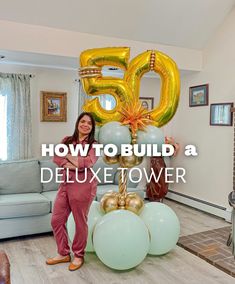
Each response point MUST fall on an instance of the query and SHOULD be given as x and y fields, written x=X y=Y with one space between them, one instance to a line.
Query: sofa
x=26 y=204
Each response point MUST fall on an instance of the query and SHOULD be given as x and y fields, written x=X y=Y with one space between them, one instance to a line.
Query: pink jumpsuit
x=75 y=197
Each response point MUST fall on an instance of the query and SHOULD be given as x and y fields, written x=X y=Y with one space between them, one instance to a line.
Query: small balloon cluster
x=116 y=133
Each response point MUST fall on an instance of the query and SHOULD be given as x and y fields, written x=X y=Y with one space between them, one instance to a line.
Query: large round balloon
x=163 y=225
x=94 y=215
x=114 y=133
x=121 y=240
x=151 y=135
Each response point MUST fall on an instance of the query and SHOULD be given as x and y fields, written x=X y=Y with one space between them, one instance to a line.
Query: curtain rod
x=7 y=74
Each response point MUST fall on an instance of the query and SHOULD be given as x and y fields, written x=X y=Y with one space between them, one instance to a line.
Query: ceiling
x=60 y=62
x=183 y=23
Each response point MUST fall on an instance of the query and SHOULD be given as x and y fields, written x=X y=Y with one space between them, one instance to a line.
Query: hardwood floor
x=27 y=256
x=194 y=221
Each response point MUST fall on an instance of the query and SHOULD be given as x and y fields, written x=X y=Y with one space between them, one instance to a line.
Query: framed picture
x=221 y=114
x=53 y=106
x=198 y=95
x=147 y=102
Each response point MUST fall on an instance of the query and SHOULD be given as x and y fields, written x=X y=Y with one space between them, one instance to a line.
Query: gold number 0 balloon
x=170 y=89
x=127 y=90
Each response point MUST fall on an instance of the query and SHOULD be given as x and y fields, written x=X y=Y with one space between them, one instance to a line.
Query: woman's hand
x=69 y=165
x=72 y=160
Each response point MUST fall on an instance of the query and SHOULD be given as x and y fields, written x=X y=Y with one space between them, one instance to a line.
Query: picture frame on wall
x=198 y=95
x=147 y=102
x=221 y=114
x=53 y=106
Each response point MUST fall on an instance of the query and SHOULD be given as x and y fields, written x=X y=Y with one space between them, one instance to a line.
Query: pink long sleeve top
x=82 y=162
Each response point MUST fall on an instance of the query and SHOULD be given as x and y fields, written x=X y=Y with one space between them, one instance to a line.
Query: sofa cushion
x=46 y=175
x=102 y=189
x=50 y=195
x=21 y=176
x=23 y=205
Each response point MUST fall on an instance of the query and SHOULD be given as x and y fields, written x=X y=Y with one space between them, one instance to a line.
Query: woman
x=75 y=197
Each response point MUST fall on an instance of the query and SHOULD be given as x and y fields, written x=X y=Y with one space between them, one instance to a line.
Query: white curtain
x=81 y=97
x=16 y=88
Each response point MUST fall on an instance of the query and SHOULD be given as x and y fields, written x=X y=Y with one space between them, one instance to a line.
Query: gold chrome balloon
x=111 y=160
x=94 y=84
x=130 y=161
x=109 y=202
x=134 y=203
x=139 y=160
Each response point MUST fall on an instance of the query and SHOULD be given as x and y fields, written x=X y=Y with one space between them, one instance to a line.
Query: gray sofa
x=26 y=204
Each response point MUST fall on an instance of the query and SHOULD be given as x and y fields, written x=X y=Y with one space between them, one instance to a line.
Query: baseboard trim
x=202 y=205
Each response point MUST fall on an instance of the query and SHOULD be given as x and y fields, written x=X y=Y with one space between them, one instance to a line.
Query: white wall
x=209 y=176
x=49 y=80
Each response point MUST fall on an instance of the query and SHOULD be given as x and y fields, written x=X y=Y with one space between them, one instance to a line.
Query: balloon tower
x=122 y=230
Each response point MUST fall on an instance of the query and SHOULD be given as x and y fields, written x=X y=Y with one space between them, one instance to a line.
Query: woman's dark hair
x=75 y=136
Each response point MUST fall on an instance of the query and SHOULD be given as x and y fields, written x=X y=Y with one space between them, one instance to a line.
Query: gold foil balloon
x=170 y=90
x=137 y=68
x=134 y=203
x=126 y=90
x=111 y=160
x=94 y=84
x=109 y=202
x=130 y=161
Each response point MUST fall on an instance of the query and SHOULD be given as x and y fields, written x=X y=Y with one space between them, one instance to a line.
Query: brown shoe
x=52 y=261
x=73 y=267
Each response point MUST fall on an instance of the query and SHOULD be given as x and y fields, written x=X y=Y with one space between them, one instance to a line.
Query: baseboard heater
x=202 y=205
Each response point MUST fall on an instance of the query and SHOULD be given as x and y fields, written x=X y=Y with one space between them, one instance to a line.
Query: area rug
x=212 y=247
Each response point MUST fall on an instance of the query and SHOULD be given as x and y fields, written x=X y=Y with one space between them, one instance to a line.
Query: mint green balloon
x=114 y=133
x=94 y=215
x=121 y=240
x=151 y=135
x=163 y=225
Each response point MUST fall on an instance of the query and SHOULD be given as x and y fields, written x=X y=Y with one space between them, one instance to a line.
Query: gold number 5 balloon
x=126 y=90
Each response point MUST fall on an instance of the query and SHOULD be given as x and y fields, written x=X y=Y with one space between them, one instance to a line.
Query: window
x=3 y=127
x=108 y=102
